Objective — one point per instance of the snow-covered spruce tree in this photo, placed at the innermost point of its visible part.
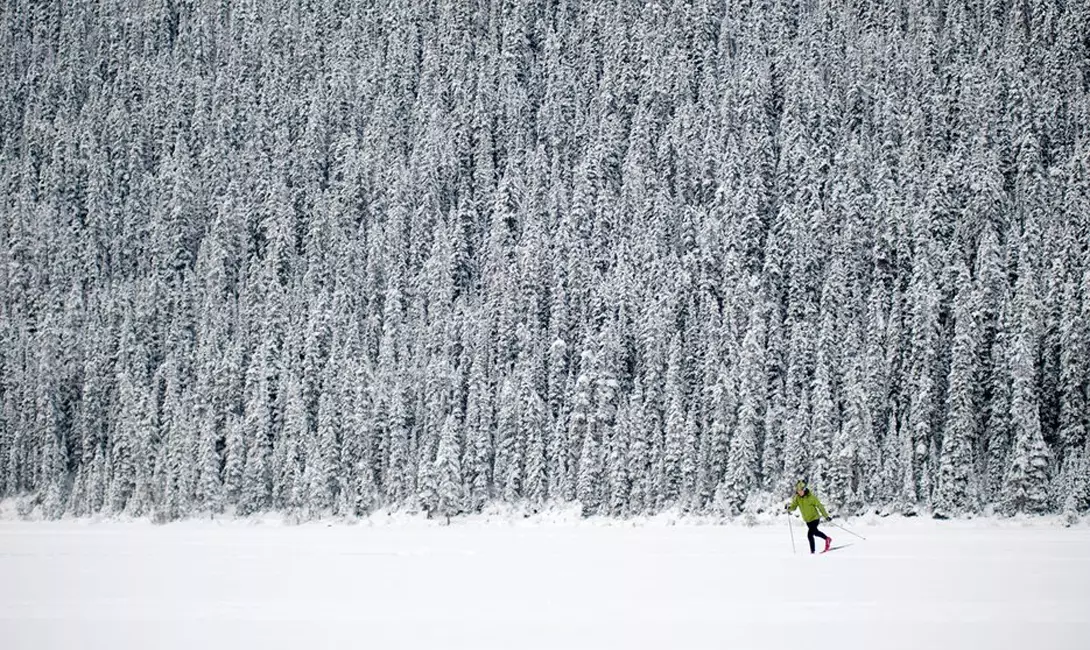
(826, 390)
(290, 451)
(1078, 497)
(448, 469)
(586, 430)
(674, 450)
(533, 420)
(210, 409)
(720, 421)
(235, 458)
(177, 471)
(617, 462)
(957, 489)
(399, 472)
(856, 452)
(1075, 498)
(92, 420)
(638, 471)
(796, 427)
(580, 429)
(55, 489)
(556, 453)
(607, 386)
(691, 461)
(357, 487)
(826, 420)
(920, 387)
(649, 473)
(994, 379)
(1026, 478)
(507, 470)
(876, 380)
(321, 456)
(591, 474)
(773, 445)
(1074, 342)
(479, 451)
(529, 414)
(1000, 427)
(893, 443)
(129, 450)
(740, 479)
(798, 397)
(255, 489)
(7, 439)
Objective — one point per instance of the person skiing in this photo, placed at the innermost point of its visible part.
(809, 507)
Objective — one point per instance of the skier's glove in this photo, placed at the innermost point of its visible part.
(829, 518)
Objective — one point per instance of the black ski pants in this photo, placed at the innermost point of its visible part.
(812, 531)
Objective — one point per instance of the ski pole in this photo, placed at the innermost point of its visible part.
(792, 531)
(848, 531)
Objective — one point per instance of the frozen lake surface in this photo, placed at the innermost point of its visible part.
(202, 585)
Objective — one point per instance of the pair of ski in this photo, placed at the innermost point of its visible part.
(831, 548)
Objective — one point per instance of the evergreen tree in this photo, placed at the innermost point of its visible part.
(923, 390)
(533, 421)
(957, 489)
(449, 470)
(1074, 349)
(580, 437)
(675, 448)
(1026, 478)
(741, 477)
(507, 468)
(591, 474)
(256, 485)
(321, 456)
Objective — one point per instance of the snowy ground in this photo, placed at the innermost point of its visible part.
(912, 584)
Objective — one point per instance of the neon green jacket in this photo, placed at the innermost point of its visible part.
(809, 506)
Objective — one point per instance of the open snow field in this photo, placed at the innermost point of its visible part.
(201, 585)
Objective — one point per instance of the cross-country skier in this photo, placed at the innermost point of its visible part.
(809, 507)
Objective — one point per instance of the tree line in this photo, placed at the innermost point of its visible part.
(325, 257)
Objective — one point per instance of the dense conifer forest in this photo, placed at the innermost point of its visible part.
(326, 256)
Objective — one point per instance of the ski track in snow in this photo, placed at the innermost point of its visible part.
(202, 585)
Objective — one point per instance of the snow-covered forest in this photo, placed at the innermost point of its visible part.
(330, 256)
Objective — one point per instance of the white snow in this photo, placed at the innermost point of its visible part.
(203, 585)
